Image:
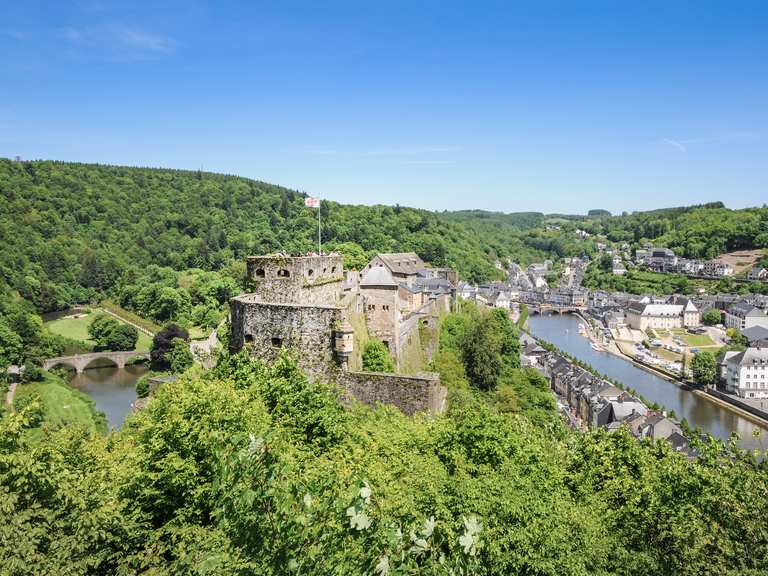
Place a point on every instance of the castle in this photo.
(309, 304)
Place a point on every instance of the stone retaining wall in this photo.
(411, 394)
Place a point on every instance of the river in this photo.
(562, 331)
(112, 389)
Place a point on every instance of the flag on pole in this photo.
(312, 202)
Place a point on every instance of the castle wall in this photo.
(304, 279)
(382, 315)
(411, 394)
(263, 328)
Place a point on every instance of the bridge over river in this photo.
(81, 362)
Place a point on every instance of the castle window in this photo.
(325, 270)
(260, 273)
(277, 342)
(283, 273)
(310, 272)
(249, 338)
(333, 269)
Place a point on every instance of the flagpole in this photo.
(319, 247)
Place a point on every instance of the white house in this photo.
(717, 269)
(757, 273)
(743, 315)
(746, 373)
(642, 315)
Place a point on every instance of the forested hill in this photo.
(702, 231)
(71, 230)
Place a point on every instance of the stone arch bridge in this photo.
(554, 309)
(81, 362)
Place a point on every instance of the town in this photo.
(661, 334)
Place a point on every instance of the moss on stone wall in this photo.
(412, 358)
(361, 338)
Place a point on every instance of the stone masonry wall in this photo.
(411, 394)
(263, 328)
(302, 279)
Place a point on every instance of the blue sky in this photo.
(511, 106)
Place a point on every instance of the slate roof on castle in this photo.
(407, 263)
(378, 276)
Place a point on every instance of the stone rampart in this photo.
(263, 328)
(301, 279)
(411, 394)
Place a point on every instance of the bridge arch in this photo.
(102, 362)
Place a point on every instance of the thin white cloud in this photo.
(144, 40)
(675, 143)
(683, 144)
(118, 43)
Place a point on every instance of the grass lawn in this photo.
(667, 354)
(77, 329)
(63, 405)
(697, 340)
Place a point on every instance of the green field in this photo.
(697, 340)
(77, 329)
(62, 405)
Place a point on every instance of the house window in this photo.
(277, 342)
(283, 273)
(260, 273)
(371, 306)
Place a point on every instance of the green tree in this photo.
(481, 352)
(142, 386)
(162, 344)
(376, 357)
(122, 337)
(704, 368)
(11, 347)
(101, 327)
(180, 356)
(712, 317)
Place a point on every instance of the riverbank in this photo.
(59, 405)
(722, 400)
(720, 420)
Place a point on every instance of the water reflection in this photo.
(112, 389)
(562, 331)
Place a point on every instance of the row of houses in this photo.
(665, 260)
(595, 403)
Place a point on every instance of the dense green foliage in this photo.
(486, 342)
(712, 317)
(165, 344)
(180, 357)
(23, 338)
(704, 368)
(376, 357)
(252, 469)
(110, 334)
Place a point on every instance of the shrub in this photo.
(376, 357)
